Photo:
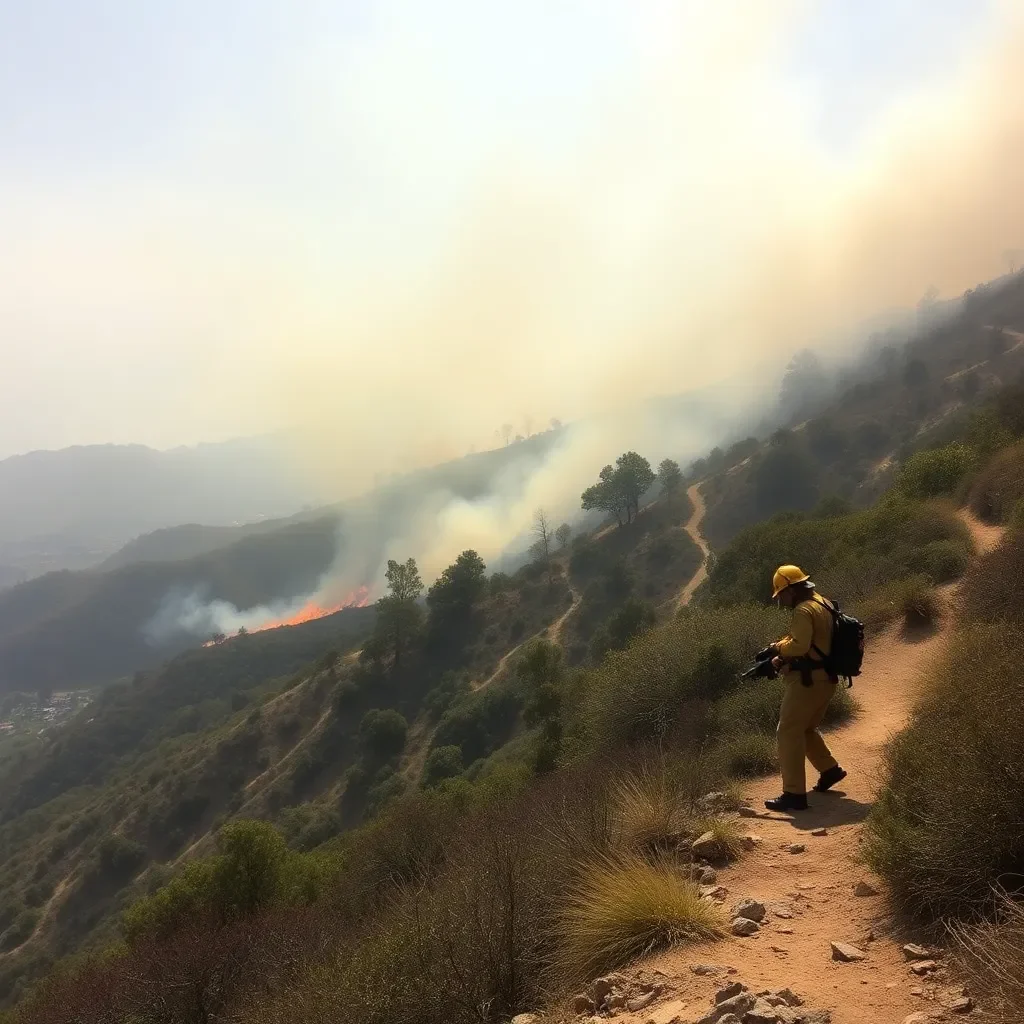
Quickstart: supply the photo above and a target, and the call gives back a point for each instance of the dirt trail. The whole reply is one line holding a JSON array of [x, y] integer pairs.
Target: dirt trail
[[46, 915], [817, 886], [693, 529], [552, 632]]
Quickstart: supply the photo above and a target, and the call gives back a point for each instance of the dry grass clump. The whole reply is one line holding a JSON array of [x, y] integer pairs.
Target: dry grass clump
[[624, 908], [648, 813], [726, 834], [992, 956]]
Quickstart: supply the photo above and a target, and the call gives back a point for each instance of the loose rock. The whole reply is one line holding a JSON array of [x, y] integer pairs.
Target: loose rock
[[707, 845], [762, 1012], [864, 889], [704, 970], [923, 967], [729, 992], [796, 848], [748, 812], [708, 876], [751, 842], [737, 1005], [818, 1017], [819, 832], [912, 951], [616, 1001], [600, 988], [789, 997], [641, 1001], [962, 1005], [713, 892], [526, 1018], [744, 926], [752, 910], [847, 954], [582, 1003]]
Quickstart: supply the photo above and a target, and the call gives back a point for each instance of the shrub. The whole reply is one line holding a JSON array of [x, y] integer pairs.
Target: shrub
[[942, 837], [849, 556], [442, 763], [641, 692], [625, 908], [940, 560], [991, 588], [748, 755], [914, 600], [999, 486], [119, 856], [936, 471], [253, 870], [992, 956], [383, 733], [920, 603]]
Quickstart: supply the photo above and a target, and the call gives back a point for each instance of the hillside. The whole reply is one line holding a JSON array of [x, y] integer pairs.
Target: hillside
[[72, 629], [898, 398], [111, 801], [69, 509], [504, 794], [68, 630]]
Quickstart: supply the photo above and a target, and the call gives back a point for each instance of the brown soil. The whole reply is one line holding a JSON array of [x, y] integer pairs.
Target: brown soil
[[693, 529], [816, 886]]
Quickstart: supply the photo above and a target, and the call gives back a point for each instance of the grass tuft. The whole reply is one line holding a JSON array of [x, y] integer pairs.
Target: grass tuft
[[625, 908], [647, 813], [726, 833]]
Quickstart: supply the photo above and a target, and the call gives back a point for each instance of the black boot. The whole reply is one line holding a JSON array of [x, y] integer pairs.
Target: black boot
[[788, 802], [828, 779]]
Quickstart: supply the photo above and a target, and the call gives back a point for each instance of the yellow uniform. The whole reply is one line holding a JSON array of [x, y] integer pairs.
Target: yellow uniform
[[803, 707]]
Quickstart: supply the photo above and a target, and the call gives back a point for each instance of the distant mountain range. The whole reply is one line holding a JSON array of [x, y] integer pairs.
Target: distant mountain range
[[72, 508]]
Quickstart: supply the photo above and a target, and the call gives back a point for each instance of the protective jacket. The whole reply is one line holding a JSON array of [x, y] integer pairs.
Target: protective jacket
[[811, 628]]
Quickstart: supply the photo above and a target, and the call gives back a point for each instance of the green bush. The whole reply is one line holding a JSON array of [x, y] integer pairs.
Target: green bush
[[946, 826], [641, 692], [849, 556], [940, 560], [936, 471], [442, 763], [748, 755], [383, 733], [252, 870], [914, 600]]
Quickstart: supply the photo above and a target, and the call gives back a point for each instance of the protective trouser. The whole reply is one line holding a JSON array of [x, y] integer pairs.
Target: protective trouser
[[803, 708]]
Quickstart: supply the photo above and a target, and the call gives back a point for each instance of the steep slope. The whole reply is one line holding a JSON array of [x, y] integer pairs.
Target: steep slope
[[901, 397], [810, 894]]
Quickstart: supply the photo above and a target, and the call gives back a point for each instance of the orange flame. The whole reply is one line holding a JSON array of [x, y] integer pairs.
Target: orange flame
[[358, 598]]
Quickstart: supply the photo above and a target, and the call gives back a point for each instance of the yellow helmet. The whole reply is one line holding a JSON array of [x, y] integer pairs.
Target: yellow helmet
[[785, 576]]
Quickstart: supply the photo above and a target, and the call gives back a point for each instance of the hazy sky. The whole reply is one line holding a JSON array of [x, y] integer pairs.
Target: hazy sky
[[417, 220]]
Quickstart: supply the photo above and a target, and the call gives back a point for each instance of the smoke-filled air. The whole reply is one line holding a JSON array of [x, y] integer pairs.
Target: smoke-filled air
[[399, 227]]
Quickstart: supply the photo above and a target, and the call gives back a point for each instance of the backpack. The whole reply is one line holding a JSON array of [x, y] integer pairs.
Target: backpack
[[847, 651]]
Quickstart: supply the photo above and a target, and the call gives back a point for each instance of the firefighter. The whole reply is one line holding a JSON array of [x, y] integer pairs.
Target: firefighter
[[800, 658]]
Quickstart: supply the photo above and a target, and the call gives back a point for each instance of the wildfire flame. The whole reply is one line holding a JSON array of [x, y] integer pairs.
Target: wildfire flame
[[358, 598]]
